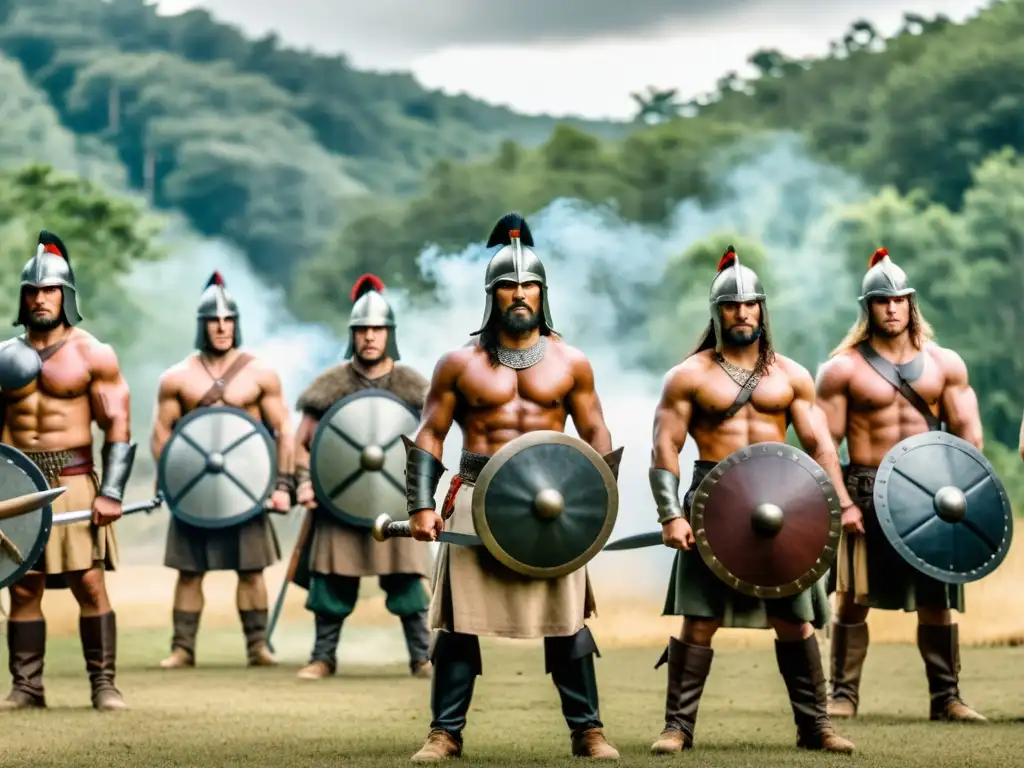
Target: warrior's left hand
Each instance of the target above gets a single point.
(105, 511)
(853, 519)
(280, 501)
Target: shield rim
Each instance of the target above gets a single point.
(505, 454)
(829, 552)
(239, 519)
(322, 427)
(884, 515)
(25, 464)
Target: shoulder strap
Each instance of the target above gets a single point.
(48, 352)
(216, 392)
(890, 373)
(745, 393)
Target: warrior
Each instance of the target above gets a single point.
(339, 554)
(868, 411)
(63, 380)
(516, 376)
(220, 373)
(733, 391)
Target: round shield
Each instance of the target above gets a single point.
(218, 468)
(545, 504)
(357, 459)
(942, 507)
(767, 520)
(22, 538)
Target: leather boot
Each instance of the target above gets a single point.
(26, 650)
(849, 649)
(800, 664)
(457, 663)
(254, 625)
(183, 641)
(688, 669)
(99, 647)
(417, 642)
(323, 661)
(570, 662)
(940, 649)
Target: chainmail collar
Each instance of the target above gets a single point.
(523, 358)
(746, 378)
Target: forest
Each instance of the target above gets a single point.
(117, 120)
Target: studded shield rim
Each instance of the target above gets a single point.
(884, 513)
(258, 498)
(41, 519)
(830, 496)
(502, 457)
(327, 497)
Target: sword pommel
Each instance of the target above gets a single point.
(385, 528)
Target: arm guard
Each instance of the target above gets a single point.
(301, 475)
(665, 487)
(286, 483)
(422, 473)
(117, 467)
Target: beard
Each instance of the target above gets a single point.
(736, 337)
(373, 359)
(889, 333)
(43, 324)
(513, 323)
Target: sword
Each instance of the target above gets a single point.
(81, 515)
(385, 528)
(637, 541)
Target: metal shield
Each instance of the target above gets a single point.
(767, 520)
(545, 504)
(24, 536)
(357, 459)
(218, 468)
(942, 507)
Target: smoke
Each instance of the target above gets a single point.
(779, 196)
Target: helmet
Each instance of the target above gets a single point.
(513, 260)
(50, 266)
(371, 310)
(215, 303)
(883, 279)
(735, 283)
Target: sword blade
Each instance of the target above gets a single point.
(461, 539)
(638, 541)
(82, 515)
(21, 505)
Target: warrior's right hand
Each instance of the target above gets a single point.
(677, 534)
(853, 519)
(425, 525)
(304, 495)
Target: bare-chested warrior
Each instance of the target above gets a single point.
(736, 352)
(517, 376)
(873, 416)
(48, 412)
(222, 374)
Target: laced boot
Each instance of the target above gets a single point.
(940, 649)
(26, 650)
(99, 647)
(254, 625)
(183, 641)
(688, 669)
(849, 649)
(800, 664)
(323, 661)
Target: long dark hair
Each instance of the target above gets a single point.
(489, 335)
(766, 353)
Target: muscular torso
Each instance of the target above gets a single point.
(877, 416)
(54, 412)
(192, 381)
(498, 404)
(762, 419)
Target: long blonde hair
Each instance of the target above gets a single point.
(920, 330)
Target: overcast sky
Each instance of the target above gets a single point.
(580, 57)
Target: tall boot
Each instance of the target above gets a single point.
(849, 649)
(800, 665)
(26, 651)
(688, 669)
(183, 641)
(254, 625)
(99, 647)
(457, 663)
(323, 662)
(570, 662)
(940, 649)
(417, 641)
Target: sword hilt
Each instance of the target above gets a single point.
(385, 528)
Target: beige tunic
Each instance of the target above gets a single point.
(476, 595)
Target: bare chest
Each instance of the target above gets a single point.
(64, 376)
(718, 391)
(869, 392)
(543, 386)
(200, 388)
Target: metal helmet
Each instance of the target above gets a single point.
(735, 283)
(884, 279)
(50, 266)
(371, 310)
(215, 303)
(513, 260)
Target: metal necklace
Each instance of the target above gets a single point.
(523, 358)
(746, 378)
